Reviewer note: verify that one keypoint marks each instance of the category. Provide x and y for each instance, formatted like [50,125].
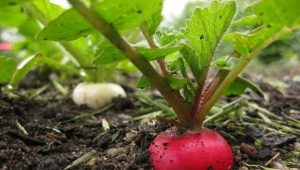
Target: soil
[57,136]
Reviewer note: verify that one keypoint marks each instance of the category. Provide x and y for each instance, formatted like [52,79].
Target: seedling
[190,96]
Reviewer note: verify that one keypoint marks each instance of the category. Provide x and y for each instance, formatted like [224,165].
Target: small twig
[147,100]
[295,164]
[226,109]
[144,111]
[82,159]
[105,124]
[149,115]
[26,139]
[275,125]
[21,128]
[290,118]
[87,114]
[264,112]
[60,88]
[258,166]
[276,156]
[38,91]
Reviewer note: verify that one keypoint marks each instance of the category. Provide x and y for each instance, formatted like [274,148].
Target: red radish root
[192,150]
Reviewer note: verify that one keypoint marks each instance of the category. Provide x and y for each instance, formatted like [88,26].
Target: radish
[97,95]
[5,46]
[192,150]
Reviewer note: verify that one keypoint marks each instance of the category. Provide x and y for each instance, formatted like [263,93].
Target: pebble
[249,150]
[243,168]
[297,146]
[92,162]
[130,136]
[112,152]
[279,165]
[245,156]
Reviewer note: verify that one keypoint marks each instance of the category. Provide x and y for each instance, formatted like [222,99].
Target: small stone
[245,156]
[297,146]
[238,158]
[243,168]
[121,157]
[112,152]
[249,150]
[279,165]
[92,162]
[130,136]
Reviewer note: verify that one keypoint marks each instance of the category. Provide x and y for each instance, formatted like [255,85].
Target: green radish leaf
[204,31]
[175,65]
[246,43]
[154,21]
[50,10]
[240,85]
[127,14]
[108,53]
[246,21]
[7,68]
[283,13]
[68,26]
[122,14]
[11,2]
[126,66]
[179,66]
[158,53]
[279,85]
[34,61]
[166,36]
[220,63]
[176,83]
[144,83]
[275,24]
[23,68]
[29,28]
[11,16]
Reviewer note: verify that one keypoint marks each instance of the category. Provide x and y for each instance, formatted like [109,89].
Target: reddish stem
[162,65]
[149,38]
[198,99]
[212,87]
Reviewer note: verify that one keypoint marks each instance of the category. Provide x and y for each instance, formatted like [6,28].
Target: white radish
[97,95]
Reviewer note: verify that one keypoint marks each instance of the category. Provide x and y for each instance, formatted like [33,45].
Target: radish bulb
[96,95]
[193,150]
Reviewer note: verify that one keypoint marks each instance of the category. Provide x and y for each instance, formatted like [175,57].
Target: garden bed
[57,136]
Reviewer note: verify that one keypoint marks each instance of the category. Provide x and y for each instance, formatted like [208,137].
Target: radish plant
[181,64]
[29,17]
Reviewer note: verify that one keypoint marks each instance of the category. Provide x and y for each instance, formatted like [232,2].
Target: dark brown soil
[54,142]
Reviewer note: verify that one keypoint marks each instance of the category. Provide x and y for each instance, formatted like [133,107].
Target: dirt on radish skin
[194,150]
